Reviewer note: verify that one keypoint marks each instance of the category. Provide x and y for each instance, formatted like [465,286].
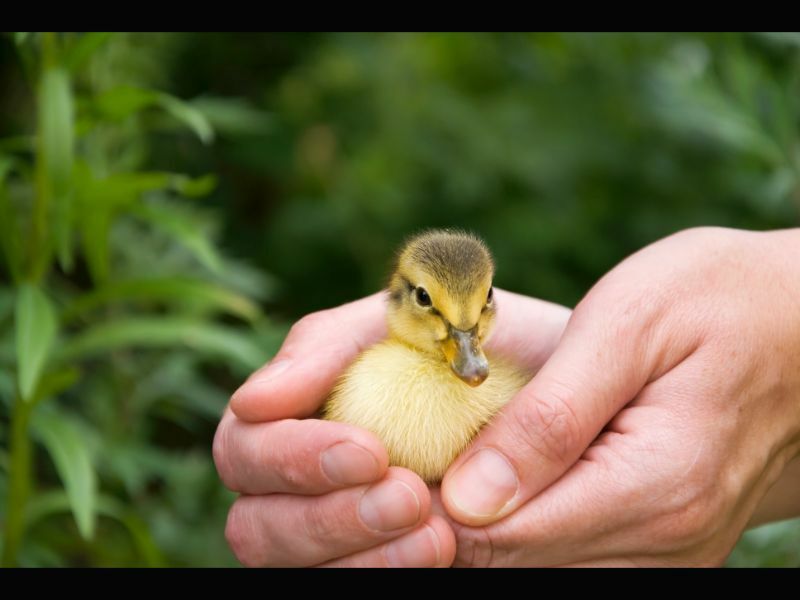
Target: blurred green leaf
[176,290]
[56,154]
[102,199]
[53,383]
[189,115]
[788,38]
[124,101]
[154,332]
[174,222]
[194,188]
[18,143]
[67,448]
[56,502]
[233,116]
[36,328]
[20,37]
[86,45]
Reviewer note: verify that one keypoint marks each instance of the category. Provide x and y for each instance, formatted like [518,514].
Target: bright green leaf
[67,447]
[36,329]
[56,154]
[154,332]
[20,37]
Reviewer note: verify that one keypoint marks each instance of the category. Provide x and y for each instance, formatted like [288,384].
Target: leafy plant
[119,319]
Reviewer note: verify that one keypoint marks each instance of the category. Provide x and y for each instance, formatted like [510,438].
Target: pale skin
[664,420]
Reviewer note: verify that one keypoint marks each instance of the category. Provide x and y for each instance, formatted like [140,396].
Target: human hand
[318,492]
[669,408]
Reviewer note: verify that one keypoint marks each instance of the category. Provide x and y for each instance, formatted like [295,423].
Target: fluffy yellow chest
[424,415]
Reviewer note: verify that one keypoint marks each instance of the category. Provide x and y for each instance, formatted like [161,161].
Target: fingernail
[484,484]
[417,549]
[389,505]
[349,464]
[271,371]
[263,375]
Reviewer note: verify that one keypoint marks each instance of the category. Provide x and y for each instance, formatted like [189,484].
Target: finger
[320,346]
[432,545]
[295,457]
[317,350]
[527,329]
[633,493]
[289,530]
[571,521]
[602,361]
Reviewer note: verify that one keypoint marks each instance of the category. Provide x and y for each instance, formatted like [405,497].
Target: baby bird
[428,389]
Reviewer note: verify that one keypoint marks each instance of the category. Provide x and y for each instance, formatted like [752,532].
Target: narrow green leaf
[20,37]
[174,290]
[99,201]
[120,102]
[86,45]
[172,220]
[194,188]
[188,115]
[153,332]
[67,447]
[233,116]
[36,329]
[56,155]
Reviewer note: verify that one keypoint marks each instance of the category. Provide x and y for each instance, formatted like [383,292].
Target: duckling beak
[466,357]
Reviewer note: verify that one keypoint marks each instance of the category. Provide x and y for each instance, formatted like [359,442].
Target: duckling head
[441,300]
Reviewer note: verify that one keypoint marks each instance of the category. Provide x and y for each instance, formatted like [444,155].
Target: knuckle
[290,462]
[474,547]
[695,519]
[548,426]
[221,457]
[320,525]
[237,534]
[309,324]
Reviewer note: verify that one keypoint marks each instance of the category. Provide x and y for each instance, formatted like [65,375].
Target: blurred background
[171,203]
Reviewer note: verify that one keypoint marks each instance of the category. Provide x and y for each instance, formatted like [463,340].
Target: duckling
[428,389]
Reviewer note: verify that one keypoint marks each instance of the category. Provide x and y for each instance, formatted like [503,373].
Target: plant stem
[19,481]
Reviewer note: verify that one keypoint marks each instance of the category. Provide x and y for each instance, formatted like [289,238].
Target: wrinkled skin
[666,409]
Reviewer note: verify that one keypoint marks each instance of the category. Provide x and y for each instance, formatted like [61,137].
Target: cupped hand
[656,428]
[320,493]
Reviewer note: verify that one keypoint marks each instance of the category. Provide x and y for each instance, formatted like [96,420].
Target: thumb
[317,350]
[600,364]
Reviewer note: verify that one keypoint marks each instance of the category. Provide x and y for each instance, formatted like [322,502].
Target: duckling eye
[490,295]
[423,299]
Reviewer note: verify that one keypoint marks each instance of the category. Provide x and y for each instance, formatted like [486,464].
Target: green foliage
[119,321]
[317,154]
[36,331]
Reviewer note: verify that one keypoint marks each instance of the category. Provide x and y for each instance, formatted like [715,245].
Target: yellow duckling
[429,388]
